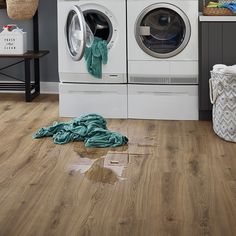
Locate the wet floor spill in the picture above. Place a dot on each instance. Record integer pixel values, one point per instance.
(83, 165)
(90, 153)
(108, 169)
(107, 165)
(98, 173)
(146, 145)
(96, 153)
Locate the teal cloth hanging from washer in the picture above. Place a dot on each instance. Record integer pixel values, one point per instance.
(92, 129)
(96, 56)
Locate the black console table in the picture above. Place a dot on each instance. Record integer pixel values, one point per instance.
(31, 88)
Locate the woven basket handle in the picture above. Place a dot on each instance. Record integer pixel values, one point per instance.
(213, 92)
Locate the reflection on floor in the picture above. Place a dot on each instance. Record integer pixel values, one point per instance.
(100, 166)
(174, 178)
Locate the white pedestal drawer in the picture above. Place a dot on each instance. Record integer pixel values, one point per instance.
(107, 100)
(165, 102)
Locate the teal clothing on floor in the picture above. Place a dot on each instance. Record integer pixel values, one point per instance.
(92, 129)
(95, 56)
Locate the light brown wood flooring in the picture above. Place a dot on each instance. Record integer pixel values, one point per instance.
(174, 178)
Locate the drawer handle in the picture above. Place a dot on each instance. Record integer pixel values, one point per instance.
(92, 92)
(165, 93)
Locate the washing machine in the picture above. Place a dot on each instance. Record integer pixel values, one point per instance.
(163, 59)
(81, 93)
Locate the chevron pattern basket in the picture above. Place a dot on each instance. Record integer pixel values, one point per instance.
(223, 98)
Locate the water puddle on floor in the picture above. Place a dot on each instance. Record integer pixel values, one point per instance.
(107, 165)
(102, 173)
(84, 165)
(101, 165)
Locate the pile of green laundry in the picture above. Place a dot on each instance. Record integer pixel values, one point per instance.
(95, 56)
(92, 129)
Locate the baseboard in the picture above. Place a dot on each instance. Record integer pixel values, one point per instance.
(205, 115)
(46, 88)
(49, 87)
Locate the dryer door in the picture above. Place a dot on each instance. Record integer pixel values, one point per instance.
(162, 30)
(75, 32)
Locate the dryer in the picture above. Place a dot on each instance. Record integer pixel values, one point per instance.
(163, 59)
(163, 41)
(80, 92)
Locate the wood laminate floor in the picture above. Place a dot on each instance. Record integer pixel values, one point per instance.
(174, 178)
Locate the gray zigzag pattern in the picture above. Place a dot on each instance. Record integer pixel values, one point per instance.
(224, 109)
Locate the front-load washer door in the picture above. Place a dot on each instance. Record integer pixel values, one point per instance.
(162, 30)
(100, 24)
(75, 32)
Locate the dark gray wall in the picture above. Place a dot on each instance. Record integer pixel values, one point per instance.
(16, 71)
(201, 3)
(217, 45)
(48, 40)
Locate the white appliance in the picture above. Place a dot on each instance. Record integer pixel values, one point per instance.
(80, 92)
(163, 59)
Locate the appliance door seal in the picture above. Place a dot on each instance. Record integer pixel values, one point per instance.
(76, 33)
(162, 30)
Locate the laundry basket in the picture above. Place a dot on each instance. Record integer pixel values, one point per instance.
(211, 11)
(223, 98)
(21, 9)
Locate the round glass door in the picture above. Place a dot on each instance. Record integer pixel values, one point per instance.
(163, 30)
(76, 33)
